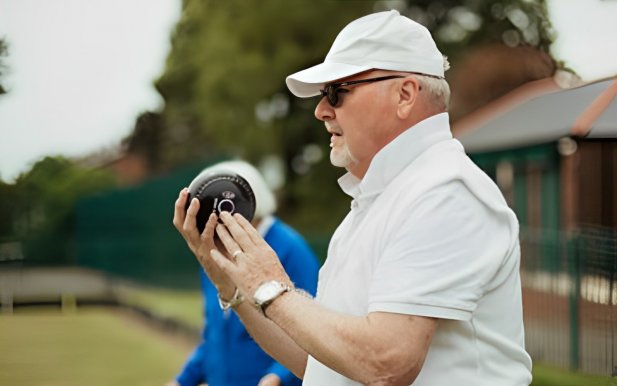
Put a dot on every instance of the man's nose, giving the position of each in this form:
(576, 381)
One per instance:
(323, 110)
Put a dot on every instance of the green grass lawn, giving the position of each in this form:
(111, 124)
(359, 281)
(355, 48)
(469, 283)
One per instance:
(95, 347)
(544, 375)
(185, 306)
(100, 347)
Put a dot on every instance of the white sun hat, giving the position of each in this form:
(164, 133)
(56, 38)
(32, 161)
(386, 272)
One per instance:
(383, 40)
(265, 201)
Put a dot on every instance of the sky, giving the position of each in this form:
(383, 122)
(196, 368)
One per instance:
(80, 72)
(586, 36)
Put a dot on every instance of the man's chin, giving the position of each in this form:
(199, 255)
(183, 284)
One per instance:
(341, 160)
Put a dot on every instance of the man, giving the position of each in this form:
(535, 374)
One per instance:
(227, 356)
(421, 281)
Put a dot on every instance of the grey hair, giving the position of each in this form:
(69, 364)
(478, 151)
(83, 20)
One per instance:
(438, 90)
(265, 202)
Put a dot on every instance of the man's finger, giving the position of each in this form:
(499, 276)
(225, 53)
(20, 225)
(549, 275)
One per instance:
(190, 221)
(250, 230)
(222, 262)
(228, 242)
(270, 380)
(237, 232)
(208, 232)
(179, 212)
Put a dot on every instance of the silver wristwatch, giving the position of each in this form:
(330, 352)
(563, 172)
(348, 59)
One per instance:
(267, 292)
(235, 300)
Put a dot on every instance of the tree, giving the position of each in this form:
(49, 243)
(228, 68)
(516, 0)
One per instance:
(458, 25)
(43, 200)
(224, 82)
(3, 53)
(145, 139)
(224, 87)
(8, 197)
(494, 45)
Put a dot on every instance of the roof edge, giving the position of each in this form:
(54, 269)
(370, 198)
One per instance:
(505, 103)
(582, 126)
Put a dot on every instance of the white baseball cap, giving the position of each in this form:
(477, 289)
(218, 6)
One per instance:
(383, 40)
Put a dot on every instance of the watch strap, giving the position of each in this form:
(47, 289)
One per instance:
(235, 300)
(262, 304)
(303, 293)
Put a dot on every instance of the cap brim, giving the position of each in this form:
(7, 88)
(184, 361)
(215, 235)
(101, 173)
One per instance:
(307, 83)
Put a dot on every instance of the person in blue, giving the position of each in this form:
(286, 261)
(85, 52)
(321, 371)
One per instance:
(227, 355)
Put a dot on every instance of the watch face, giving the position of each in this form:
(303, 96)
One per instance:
(221, 192)
(268, 291)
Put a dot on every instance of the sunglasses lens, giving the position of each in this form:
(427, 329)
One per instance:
(332, 96)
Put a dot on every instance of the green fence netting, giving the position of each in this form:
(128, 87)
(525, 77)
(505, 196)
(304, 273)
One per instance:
(569, 278)
(570, 297)
(129, 233)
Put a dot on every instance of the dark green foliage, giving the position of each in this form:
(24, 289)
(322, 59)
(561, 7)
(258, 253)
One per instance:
(230, 56)
(3, 53)
(224, 82)
(230, 59)
(39, 207)
(128, 232)
(224, 91)
(458, 25)
(8, 198)
(146, 138)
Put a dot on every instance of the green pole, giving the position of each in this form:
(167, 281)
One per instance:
(574, 254)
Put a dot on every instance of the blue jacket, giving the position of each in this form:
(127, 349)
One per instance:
(227, 355)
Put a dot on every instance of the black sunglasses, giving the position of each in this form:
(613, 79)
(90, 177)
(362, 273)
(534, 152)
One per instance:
(331, 92)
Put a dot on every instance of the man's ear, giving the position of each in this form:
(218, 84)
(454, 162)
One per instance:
(408, 96)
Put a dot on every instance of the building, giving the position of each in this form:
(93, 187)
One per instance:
(553, 152)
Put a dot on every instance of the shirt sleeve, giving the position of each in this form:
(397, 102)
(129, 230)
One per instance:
(300, 263)
(441, 255)
(302, 266)
(191, 374)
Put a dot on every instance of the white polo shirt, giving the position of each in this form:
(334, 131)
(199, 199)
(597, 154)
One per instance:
(430, 234)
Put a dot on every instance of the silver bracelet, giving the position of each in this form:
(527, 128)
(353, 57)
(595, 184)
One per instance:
(303, 293)
(235, 300)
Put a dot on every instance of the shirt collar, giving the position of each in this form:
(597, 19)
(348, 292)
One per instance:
(264, 225)
(396, 155)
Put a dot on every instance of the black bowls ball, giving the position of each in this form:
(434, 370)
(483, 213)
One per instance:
(221, 192)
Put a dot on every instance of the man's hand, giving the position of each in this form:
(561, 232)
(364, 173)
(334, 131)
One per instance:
(201, 244)
(252, 260)
(172, 383)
